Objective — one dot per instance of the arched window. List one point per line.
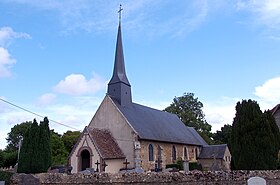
(196, 153)
(173, 153)
(151, 152)
(185, 153)
(85, 157)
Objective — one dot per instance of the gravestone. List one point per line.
(2, 182)
(256, 181)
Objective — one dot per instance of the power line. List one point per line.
(31, 112)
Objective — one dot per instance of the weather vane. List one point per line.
(120, 13)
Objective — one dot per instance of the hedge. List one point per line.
(5, 176)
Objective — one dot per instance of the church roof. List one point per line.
(105, 143)
(119, 74)
(153, 124)
(208, 152)
(273, 111)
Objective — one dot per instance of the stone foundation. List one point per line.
(153, 178)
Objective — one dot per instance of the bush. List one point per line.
(5, 176)
(173, 165)
(180, 163)
(195, 166)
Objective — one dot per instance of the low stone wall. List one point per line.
(153, 178)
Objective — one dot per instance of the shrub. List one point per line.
(5, 176)
(195, 166)
(173, 165)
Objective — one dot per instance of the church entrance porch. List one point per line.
(85, 159)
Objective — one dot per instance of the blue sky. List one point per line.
(56, 57)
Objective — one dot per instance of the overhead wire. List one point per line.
(31, 112)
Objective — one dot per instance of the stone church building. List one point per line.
(126, 135)
(276, 114)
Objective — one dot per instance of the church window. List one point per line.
(173, 153)
(185, 153)
(196, 153)
(151, 152)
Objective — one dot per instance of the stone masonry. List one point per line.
(166, 153)
(152, 178)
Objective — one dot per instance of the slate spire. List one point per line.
(119, 86)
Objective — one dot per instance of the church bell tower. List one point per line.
(119, 87)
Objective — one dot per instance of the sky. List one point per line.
(56, 56)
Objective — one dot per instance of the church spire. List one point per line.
(119, 86)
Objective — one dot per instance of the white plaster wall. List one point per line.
(114, 165)
(109, 117)
(84, 142)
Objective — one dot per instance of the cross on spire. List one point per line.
(120, 13)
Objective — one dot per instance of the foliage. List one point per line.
(70, 138)
(10, 158)
(223, 136)
(45, 145)
(195, 166)
(5, 176)
(58, 151)
(173, 165)
(180, 163)
(1, 158)
(17, 132)
(189, 110)
(255, 138)
(35, 154)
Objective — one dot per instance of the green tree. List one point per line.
(35, 156)
(10, 158)
(254, 138)
(1, 158)
(223, 136)
(44, 150)
(25, 164)
(17, 133)
(58, 151)
(189, 110)
(70, 138)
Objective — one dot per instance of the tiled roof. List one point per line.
(105, 143)
(153, 124)
(208, 152)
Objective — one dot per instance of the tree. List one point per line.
(254, 139)
(1, 158)
(58, 151)
(70, 138)
(17, 133)
(223, 136)
(35, 154)
(189, 110)
(10, 158)
(44, 145)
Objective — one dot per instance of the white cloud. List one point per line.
(77, 84)
(6, 62)
(269, 93)
(169, 17)
(46, 99)
(220, 112)
(265, 13)
(7, 34)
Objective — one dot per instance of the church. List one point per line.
(126, 135)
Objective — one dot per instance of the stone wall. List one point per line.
(166, 153)
(153, 178)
